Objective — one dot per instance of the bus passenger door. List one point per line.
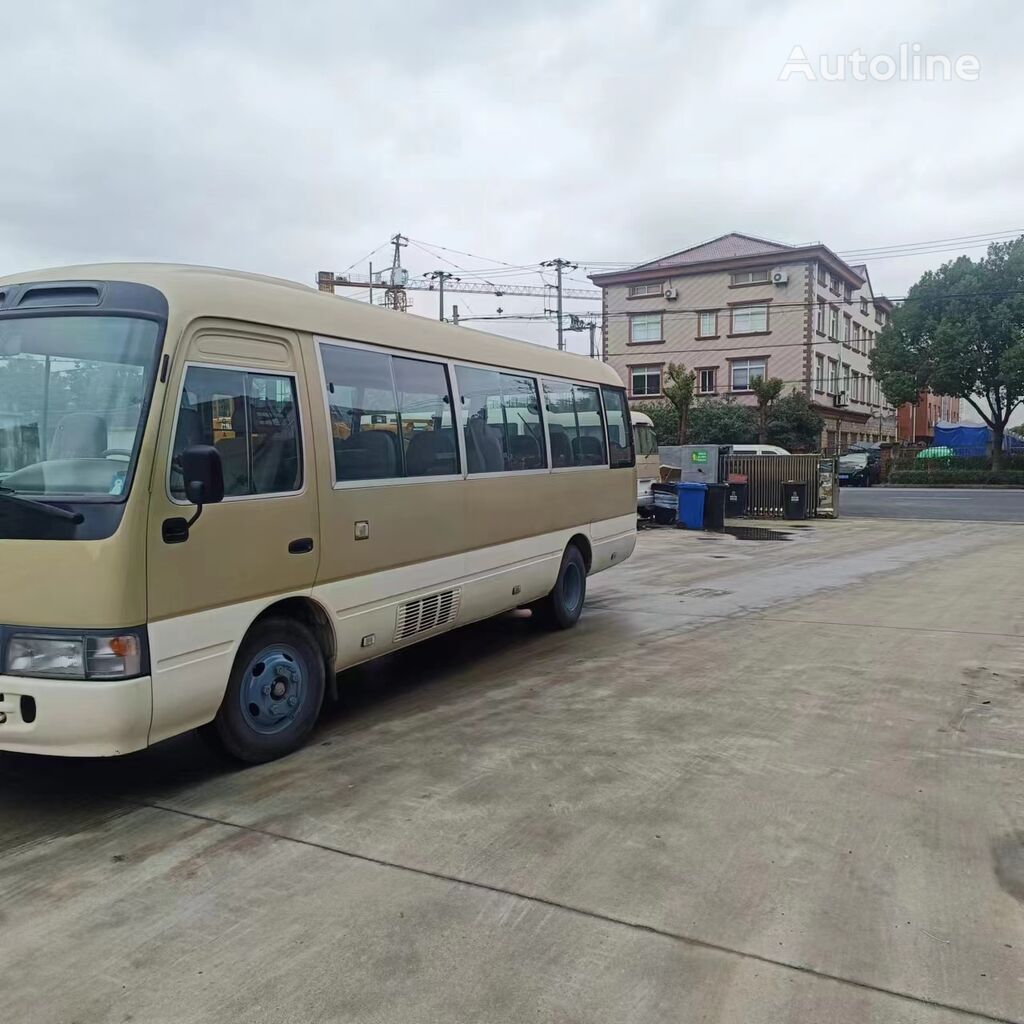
(244, 393)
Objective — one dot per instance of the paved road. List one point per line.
(759, 783)
(992, 506)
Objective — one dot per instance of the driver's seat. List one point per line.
(79, 435)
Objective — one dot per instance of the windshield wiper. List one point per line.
(7, 494)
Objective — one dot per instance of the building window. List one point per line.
(846, 380)
(847, 293)
(846, 328)
(707, 324)
(750, 277)
(644, 328)
(706, 381)
(855, 386)
(879, 317)
(819, 373)
(750, 319)
(833, 284)
(821, 275)
(833, 376)
(820, 322)
(833, 323)
(647, 288)
(645, 380)
(864, 307)
(856, 336)
(744, 371)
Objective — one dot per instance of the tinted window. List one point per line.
(500, 421)
(575, 424)
(425, 414)
(390, 416)
(251, 419)
(620, 434)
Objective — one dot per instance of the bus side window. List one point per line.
(620, 437)
(252, 421)
(576, 423)
(500, 421)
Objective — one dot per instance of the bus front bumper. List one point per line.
(75, 717)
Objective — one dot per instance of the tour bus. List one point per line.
(648, 464)
(219, 490)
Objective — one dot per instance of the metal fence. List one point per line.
(765, 475)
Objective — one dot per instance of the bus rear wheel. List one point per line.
(274, 694)
(562, 607)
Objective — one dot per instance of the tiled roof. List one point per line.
(722, 248)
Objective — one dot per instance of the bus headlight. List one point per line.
(75, 656)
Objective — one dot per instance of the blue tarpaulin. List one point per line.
(971, 438)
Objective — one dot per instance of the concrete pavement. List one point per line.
(760, 782)
(993, 505)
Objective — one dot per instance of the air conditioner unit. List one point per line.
(671, 294)
(839, 400)
(780, 277)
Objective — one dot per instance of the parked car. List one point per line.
(858, 469)
(758, 449)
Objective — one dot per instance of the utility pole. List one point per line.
(577, 323)
(440, 276)
(559, 264)
(455, 315)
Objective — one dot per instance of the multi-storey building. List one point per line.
(739, 307)
(917, 420)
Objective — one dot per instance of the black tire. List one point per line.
(562, 607)
(274, 693)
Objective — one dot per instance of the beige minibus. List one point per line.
(218, 490)
(648, 464)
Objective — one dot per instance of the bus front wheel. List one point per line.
(561, 608)
(274, 694)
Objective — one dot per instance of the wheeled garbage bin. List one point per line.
(736, 498)
(794, 499)
(714, 506)
(691, 506)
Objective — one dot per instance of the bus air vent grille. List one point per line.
(427, 613)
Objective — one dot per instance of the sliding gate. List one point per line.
(765, 475)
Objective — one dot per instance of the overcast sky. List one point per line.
(286, 138)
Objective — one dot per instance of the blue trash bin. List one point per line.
(691, 506)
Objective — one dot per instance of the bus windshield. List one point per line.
(73, 390)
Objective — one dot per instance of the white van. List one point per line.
(758, 449)
(648, 464)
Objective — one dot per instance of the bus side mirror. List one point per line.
(203, 474)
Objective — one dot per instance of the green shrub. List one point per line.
(964, 477)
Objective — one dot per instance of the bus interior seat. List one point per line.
(526, 450)
(274, 449)
(588, 451)
(561, 451)
(79, 435)
(483, 447)
(234, 453)
(366, 455)
(431, 453)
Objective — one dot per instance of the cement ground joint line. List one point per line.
(591, 915)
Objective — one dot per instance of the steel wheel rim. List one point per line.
(273, 691)
(572, 586)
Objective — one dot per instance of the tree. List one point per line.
(665, 420)
(679, 387)
(766, 392)
(794, 425)
(960, 332)
(722, 421)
